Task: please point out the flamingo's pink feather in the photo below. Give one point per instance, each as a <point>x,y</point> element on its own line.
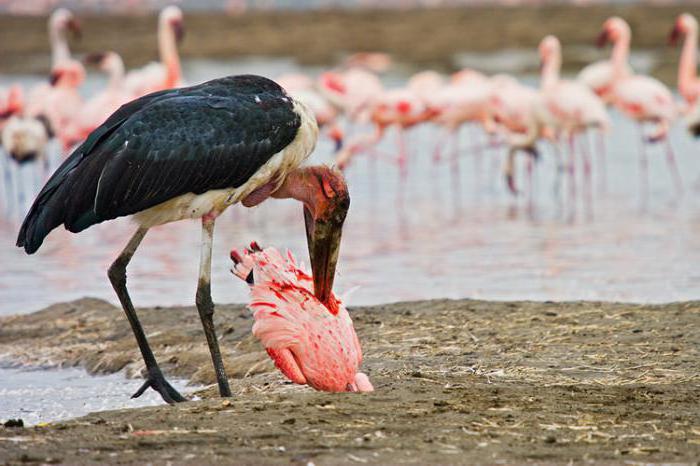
<point>308,343</point>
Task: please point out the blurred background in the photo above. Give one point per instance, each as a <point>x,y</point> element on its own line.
<point>420,226</point>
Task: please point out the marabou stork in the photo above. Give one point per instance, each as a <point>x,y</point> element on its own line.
<point>191,153</point>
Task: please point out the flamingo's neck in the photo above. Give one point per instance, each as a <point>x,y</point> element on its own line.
<point>620,55</point>
<point>687,68</point>
<point>168,53</point>
<point>550,70</point>
<point>59,44</point>
<point>115,70</point>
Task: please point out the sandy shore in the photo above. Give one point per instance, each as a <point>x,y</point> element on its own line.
<point>426,38</point>
<point>457,382</point>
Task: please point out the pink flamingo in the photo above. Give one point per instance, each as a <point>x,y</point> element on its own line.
<point>598,76</point>
<point>352,91</point>
<point>309,342</point>
<point>464,100</point>
<point>514,112</point>
<point>304,89</point>
<point>11,102</point>
<point>688,83</point>
<point>59,101</point>
<point>568,107</point>
<point>107,101</point>
<point>166,74</point>
<point>641,98</point>
<point>400,108</point>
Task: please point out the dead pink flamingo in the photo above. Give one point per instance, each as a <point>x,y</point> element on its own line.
<point>311,343</point>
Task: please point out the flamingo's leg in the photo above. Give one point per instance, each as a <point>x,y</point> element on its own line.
<point>7,172</point>
<point>643,168</point>
<point>572,172</point>
<point>602,162</point>
<point>587,173</point>
<point>673,167</point>
<point>455,169</point>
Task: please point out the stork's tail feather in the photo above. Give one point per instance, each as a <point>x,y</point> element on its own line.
<point>46,213</point>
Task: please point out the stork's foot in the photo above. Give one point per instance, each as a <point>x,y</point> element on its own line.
<point>157,382</point>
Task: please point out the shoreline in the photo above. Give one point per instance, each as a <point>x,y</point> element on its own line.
<point>425,38</point>
<point>457,381</point>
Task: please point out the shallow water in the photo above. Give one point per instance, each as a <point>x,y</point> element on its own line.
<point>37,396</point>
<point>439,240</point>
<point>435,242</point>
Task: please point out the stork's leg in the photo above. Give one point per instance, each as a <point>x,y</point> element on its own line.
<point>117,275</point>
<point>205,305</point>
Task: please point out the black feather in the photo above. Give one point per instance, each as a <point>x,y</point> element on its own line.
<point>191,140</point>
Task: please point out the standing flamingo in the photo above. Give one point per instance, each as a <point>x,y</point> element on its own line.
<point>310,343</point>
<point>107,101</point>
<point>11,102</point>
<point>688,83</point>
<point>303,88</point>
<point>166,74</point>
<point>569,108</point>
<point>514,109</point>
<point>598,76</point>
<point>641,98</point>
<point>59,101</point>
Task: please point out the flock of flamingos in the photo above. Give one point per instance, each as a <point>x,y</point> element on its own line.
<point>352,96</point>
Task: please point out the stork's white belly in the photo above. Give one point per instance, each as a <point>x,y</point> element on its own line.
<point>275,170</point>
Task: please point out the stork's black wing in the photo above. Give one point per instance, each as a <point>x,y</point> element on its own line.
<point>190,140</point>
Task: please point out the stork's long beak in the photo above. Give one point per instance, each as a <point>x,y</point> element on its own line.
<point>323,235</point>
<point>675,35</point>
<point>602,39</point>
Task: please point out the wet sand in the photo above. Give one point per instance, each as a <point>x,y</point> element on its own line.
<point>456,382</point>
<point>426,38</point>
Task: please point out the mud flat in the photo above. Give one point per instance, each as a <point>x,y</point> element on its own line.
<point>456,382</point>
<point>426,38</point>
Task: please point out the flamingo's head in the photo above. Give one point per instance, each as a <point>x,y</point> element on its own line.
<point>684,24</point>
<point>63,19</point>
<point>308,343</point>
<point>68,73</point>
<point>337,135</point>
<point>105,61</point>
<point>172,17</point>
<point>614,29</point>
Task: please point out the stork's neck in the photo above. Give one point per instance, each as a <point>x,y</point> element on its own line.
<point>550,71</point>
<point>620,55</point>
<point>169,57</point>
<point>687,68</point>
<point>300,186</point>
<point>59,44</point>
